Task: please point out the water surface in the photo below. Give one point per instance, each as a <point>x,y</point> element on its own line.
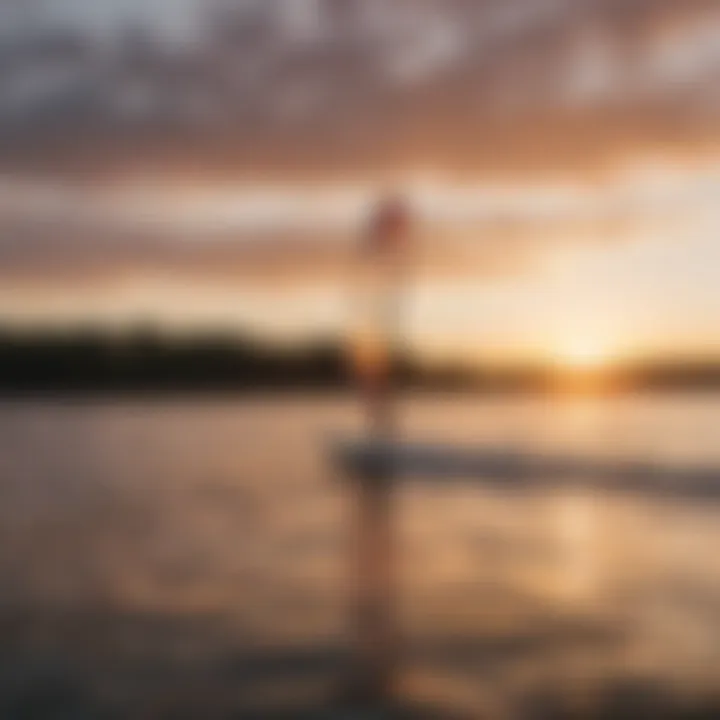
<point>188,558</point>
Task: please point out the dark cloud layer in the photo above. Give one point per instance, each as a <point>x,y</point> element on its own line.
<point>354,87</point>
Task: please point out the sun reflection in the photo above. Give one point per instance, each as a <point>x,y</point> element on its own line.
<point>585,366</point>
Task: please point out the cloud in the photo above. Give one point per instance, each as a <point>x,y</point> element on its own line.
<point>303,89</point>
<point>265,235</point>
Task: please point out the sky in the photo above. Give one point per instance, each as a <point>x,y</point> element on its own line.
<point>212,165</point>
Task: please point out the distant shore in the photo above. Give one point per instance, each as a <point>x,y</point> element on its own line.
<point>146,363</point>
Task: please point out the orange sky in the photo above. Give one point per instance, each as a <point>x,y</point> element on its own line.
<point>562,160</point>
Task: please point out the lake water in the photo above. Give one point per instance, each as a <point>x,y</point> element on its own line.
<point>172,559</point>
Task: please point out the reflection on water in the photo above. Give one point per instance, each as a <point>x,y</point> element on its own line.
<point>188,559</point>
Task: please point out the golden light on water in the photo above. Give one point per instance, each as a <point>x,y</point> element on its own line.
<point>586,365</point>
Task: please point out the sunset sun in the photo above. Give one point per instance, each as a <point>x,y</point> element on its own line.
<point>583,355</point>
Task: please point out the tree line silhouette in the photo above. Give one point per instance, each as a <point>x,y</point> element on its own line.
<point>143,360</point>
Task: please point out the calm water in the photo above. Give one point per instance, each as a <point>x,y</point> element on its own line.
<point>189,559</point>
